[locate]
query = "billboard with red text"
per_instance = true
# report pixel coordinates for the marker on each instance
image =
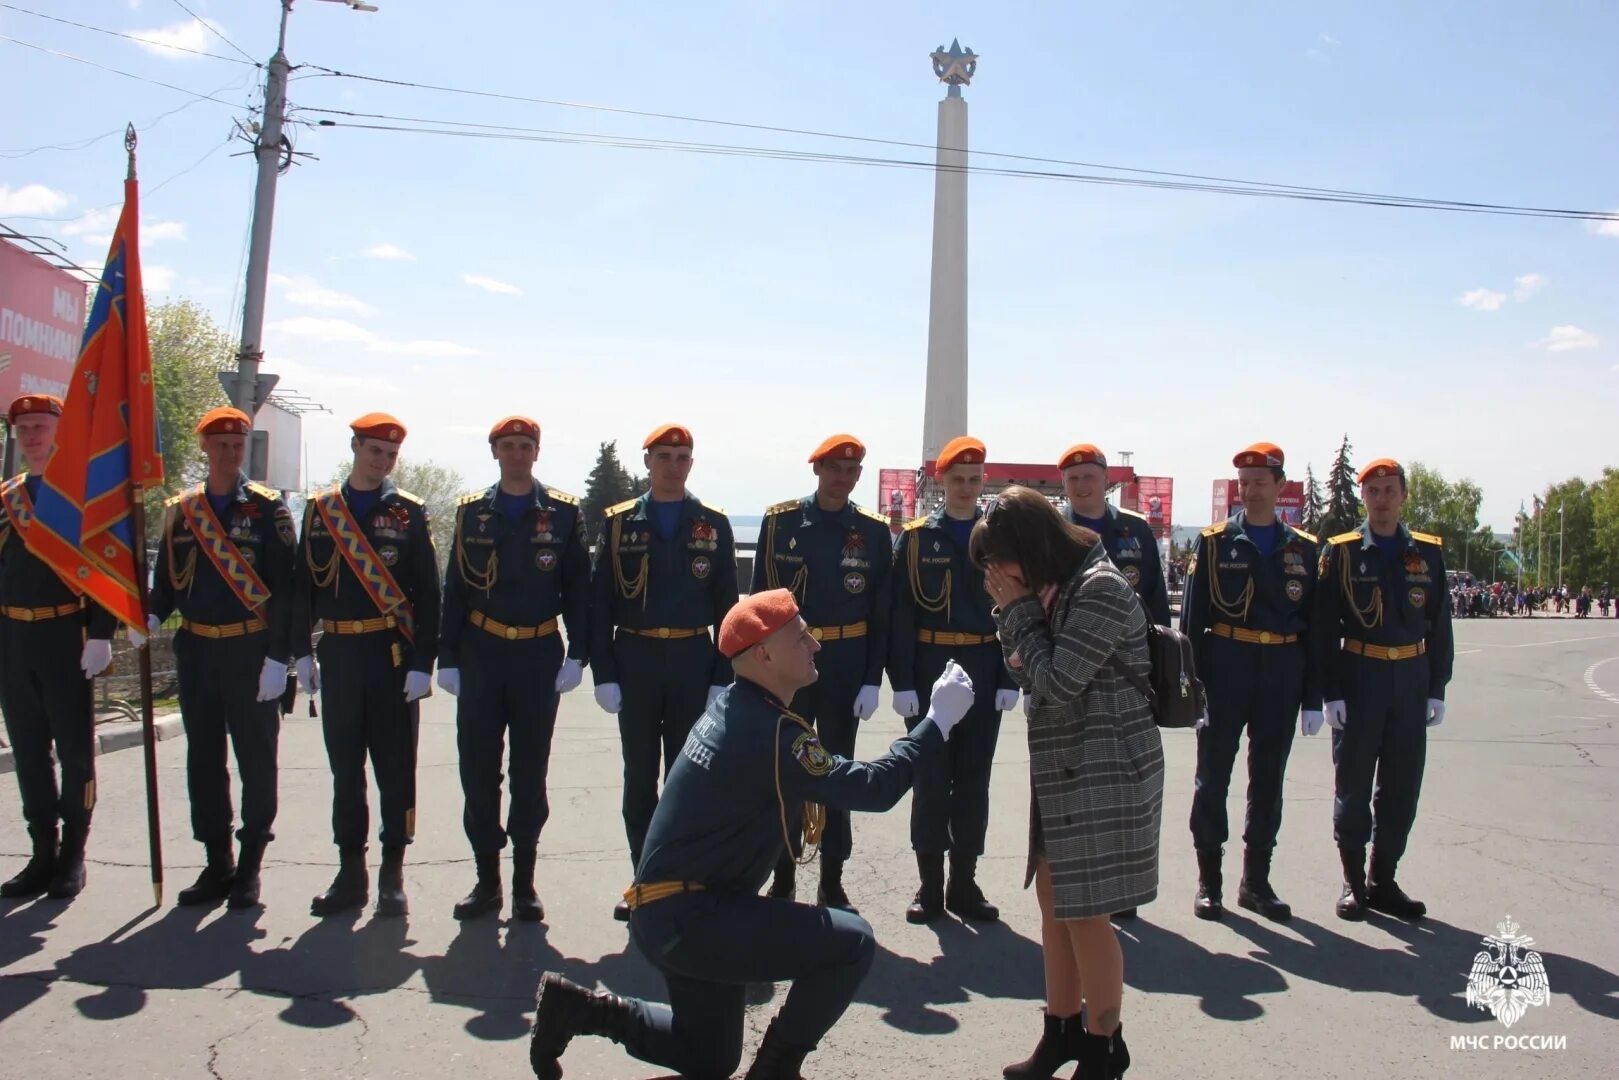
(1289, 502)
(41, 324)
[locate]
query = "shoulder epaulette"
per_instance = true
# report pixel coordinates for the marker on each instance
(1308, 536)
(711, 508)
(410, 497)
(916, 523)
(1216, 529)
(562, 496)
(619, 508)
(873, 515)
(263, 491)
(782, 507)
(1131, 513)
(1428, 538)
(470, 497)
(1344, 538)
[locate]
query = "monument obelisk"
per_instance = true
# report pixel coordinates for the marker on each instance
(944, 414)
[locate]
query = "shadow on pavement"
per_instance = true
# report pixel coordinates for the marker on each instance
(1159, 961)
(22, 934)
(988, 959)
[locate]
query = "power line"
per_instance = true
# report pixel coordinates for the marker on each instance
(130, 37)
(89, 141)
(115, 71)
(212, 30)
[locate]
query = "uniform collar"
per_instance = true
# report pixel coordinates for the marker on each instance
(1236, 523)
(811, 510)
(937, 518)
(384, 493)
(1367, 539)
(1110, 514)
(643, 505)
(492, 495)
(238, 494)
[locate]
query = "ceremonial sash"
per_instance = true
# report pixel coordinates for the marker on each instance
(20, 513)
(222, 551)
(373, 574)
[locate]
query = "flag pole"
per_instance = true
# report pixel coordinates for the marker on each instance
(137, 509)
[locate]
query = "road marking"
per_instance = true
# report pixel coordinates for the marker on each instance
(1538, 644)
(1591, 681)
(1464, 652)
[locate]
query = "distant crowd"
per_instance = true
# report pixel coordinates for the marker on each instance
(1471, 601)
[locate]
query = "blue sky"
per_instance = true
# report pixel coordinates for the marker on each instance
(768, 303)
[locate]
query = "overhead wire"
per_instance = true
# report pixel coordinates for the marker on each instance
(115, 71)
(214, 30)
(136, 38)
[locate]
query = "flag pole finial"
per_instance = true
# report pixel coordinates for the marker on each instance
(129, 147)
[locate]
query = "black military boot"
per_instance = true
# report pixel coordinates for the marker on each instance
(391, 902)
(1352, 904)
(350, 889)
(1059, 1044)
(68, 876)
(784, 884)
(964, 897)
(35, 877)
(485, 896)
(244, 889)
(1382, 894)
(526, 904)
(1254, 891)
(830, 892)
(563, 1009)
(1208, 905)
(1103, 1057)
(777, 1059)
(213, 884)
(928, 903)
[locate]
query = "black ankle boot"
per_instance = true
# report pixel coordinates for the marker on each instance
(1382, 894)
(1352, 904)
(1103, 1057)
(526, 904)
(784, 885)
(563, 1009)
(928, 904)
(391, 902)
(963, 897)
(244, 888)
(213, 884)
(830, 892)
(777, 1059)
(68, 876)
(1208, 903)
(1255, 893)
(485, 895)
(1059, 1044)
(35, 877)
(350, 889)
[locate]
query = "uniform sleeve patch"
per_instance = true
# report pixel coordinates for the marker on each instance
(809, 753)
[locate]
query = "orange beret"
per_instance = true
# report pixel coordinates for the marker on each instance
(515, 425)
(379, 425)
(963, 450)
(843, 447)
(1082, 454)
(31, 404)
(1380, 468)
(755, 618)
(224, 420)
(1261, 455)
(668, 435)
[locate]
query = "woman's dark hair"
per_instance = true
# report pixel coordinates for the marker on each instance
(1021, 526)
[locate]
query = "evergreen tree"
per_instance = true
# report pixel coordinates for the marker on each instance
(1315, 508)
(609, 484)
(1343, 501)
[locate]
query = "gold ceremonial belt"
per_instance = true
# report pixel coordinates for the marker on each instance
(359, 626)
(838, 633)
(235, 629)
(1385, 652)
(1252, 637)
(667, 633)
(40, 614)
(636, 895)
(950, 637)
(512, 633)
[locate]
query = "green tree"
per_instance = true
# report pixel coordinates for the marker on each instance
(1605, 526)
(1315, 507)
(188, 351)
(438, 486)
(1343, 500)
(608, 485)
(1446, 509)
(1570, 523)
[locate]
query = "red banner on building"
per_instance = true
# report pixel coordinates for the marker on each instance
(896, 496)
(1289, 501)
(1155, 500)
(41, 324)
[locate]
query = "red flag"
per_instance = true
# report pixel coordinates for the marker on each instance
(107, 447)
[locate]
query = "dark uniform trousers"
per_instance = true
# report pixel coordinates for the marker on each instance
(695, 938)
(665, 686)
(828, 703)
(506, 685)
(47, 703)
(1254, 688)
(363, 711)
(219, 682)
(1384, 740)
(950, 796)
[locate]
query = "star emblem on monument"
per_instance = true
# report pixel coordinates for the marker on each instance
(956, 65)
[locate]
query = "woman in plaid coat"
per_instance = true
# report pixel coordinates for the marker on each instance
(1070, 625)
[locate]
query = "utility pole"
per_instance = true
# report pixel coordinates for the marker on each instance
(1559, 544)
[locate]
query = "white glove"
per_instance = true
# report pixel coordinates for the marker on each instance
(714, 692)
(569, 675)
(272, 680)
(96, 656)
(449, 680)
(1201, 723)
(1310, 721)
(138, 639)
(1005, 699)
(865, 702)
(906, 703)
(418, 684)
(609, 697)
(1336, 713)
(1436, 712)
(308, 674)
(952, 697)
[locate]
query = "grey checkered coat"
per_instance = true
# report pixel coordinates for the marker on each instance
(1096, 763)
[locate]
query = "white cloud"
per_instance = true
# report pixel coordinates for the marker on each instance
(389, 251)
(1483, 299)
(153, 231)
(31, 199)
(422, 348)
(157, 279)
(1328, 39)
(343, 332)
(489, 284)
(1610, 227)
(1527, 286)
(166, 40)
(96, 228)
(310, 293)
(1565, 339)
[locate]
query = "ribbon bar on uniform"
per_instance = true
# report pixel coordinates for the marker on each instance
(227, 630)
(1385, 652)
(636, 895)
(951, 638)
(838, 633)
(512, 633)
(1252, 637)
